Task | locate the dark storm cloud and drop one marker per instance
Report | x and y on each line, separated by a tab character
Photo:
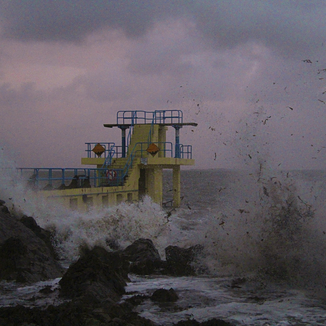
286	25
72	20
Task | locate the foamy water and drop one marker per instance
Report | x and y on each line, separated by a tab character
265	226
252	303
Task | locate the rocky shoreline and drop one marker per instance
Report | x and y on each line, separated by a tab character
92	286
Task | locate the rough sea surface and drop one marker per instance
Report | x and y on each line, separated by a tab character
263	232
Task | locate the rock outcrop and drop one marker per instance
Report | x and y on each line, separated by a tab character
98	275
163	295
144	258
93	286
26	255
180	261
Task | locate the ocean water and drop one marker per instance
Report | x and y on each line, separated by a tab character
263	233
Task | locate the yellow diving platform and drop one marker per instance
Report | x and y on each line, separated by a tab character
125	172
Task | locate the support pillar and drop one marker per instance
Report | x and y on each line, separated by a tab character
176	186
154	182
123	140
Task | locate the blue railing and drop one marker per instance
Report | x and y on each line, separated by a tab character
131	129
168	116
69	178
108	159
66	178
185	151
146	117
134	117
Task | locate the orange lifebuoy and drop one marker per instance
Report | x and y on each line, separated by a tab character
111	174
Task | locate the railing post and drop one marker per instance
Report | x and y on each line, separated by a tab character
177	141
36	177
123	140
63	176
50	177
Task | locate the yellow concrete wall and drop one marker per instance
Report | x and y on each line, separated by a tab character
84	199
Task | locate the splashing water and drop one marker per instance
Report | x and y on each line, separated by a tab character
121	224
266	226
115	226
266	221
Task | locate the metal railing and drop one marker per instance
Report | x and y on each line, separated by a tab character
108	158
146	117
168	116
185	151
68	178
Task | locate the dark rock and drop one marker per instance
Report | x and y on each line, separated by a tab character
216	322
112	244
45	235
97	275
144	258
189	322
46	290
3	207
162	295
180	260
137	299
18	315
211	322
24	257
123	314
74	313
237	283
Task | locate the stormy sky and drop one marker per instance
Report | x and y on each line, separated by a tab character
252	73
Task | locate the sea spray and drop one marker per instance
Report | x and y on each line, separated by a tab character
262	219
116	227
267	223
121	224
12	189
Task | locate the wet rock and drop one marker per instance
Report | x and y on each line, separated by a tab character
123	314
237	283
180	261
163	295
189	322
46	290
45	235
97	275
136	300
144	258
3	207
24	257
216	322
72	314
211	322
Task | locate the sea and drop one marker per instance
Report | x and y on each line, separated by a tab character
263	232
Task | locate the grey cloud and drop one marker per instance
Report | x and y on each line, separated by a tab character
288	26
65	20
